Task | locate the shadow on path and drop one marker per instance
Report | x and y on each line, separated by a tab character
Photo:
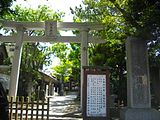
65	107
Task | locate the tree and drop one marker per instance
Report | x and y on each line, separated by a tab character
144	17
122	18
112	53
34	55
68	72
61	51
5	6
69	54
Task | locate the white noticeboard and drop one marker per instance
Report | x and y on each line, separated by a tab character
96	95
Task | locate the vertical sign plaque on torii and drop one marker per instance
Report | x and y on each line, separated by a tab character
96	93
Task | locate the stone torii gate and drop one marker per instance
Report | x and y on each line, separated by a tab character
50	28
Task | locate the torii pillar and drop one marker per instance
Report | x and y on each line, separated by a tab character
84	56
138	83
16	62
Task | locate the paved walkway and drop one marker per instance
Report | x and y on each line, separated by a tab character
65	107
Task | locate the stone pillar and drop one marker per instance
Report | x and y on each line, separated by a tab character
84	56
138	83
16	62
47	91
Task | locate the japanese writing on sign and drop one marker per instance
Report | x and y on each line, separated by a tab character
96	95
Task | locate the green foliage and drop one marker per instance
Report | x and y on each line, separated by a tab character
61	50
75	56
146	14
7	61
43	13
143	11
69	55
5	6
63	70
122	18
112	53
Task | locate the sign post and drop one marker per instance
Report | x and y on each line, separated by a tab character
95	93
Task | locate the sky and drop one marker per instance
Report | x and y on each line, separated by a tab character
56	5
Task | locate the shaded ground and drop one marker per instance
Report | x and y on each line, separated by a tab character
68	108
65	107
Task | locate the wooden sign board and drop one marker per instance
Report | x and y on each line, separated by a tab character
95	93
